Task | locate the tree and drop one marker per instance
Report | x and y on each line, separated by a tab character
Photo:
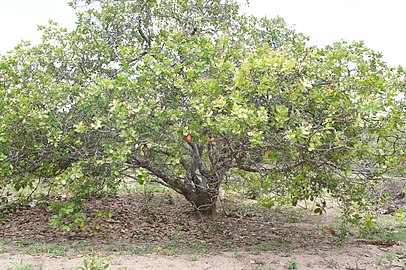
192	92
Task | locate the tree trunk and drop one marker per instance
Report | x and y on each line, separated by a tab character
203	200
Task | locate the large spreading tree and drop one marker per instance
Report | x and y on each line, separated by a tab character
193	93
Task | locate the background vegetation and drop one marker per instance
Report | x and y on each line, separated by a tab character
191	95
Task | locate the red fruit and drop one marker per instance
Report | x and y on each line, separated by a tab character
189	138
212	139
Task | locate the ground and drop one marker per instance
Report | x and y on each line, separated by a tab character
159	231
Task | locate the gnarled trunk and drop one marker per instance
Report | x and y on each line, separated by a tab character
202	181
203	200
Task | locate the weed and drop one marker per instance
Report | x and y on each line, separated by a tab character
386	259
55	249
135	249
279	244
237	254
4	246
385	235
148	248
175	237
305	236
356	267
199	248
143	236
116	247
292	264
93	264
339	233
7	242
194	258
294	218
81	246
215	227
24	266
400	251
387	229
390	256
21	242
332	265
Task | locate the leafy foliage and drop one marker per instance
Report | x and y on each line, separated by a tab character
189	93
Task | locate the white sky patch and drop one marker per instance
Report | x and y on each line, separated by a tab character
381	24
19	19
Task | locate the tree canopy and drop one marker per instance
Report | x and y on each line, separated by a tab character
190	94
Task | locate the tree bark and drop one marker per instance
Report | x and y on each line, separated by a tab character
203	200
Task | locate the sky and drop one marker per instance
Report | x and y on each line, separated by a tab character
381	24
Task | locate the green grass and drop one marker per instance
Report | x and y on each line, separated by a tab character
386	235
5	246
40	248
386	260
115	247
386	229
35	248
190	249
274	245
292	264
237	254
194	258
94	263
57	249
24	266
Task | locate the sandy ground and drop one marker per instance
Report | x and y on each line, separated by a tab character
347	257
293	238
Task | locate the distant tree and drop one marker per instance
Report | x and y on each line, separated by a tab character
192	92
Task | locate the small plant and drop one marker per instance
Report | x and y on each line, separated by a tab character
21	242
237	254
354	268
148	248
68	215
135	249
400	216
23	266
38	248
278	244
194	258
400	251
216	227
292	264
332	265
93	264
116	247
386	260
4	246
144	236
176	237
199	248
294	218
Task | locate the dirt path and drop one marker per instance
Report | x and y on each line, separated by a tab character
348	257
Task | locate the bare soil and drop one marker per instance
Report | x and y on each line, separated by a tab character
159	231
